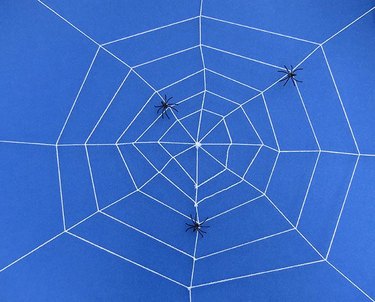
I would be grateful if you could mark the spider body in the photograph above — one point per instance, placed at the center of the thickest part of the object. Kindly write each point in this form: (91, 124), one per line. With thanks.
(165, 105)
(290, 74)
(196, 226)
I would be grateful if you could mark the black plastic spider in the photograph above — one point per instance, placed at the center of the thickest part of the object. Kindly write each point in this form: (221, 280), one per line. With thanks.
(196, 226)
(290, 74)
(165, 105)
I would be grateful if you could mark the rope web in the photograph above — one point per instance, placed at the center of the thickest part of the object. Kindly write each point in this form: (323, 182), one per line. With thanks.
(197, 146)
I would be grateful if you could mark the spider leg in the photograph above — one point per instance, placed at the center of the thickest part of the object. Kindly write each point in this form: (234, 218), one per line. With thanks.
(174, 109)
(287, 79)
(166, 113)
(204, 220)
(169, 99)
(189, 228)
(200, 233)
(298, 81)
(205, 226)
(283, 79)
(293, 81)
(298, 69)
(283, 71)
(159, 109)
(192, 219)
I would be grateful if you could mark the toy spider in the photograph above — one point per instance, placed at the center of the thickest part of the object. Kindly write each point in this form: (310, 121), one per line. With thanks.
(196, 226)
(165, 105)
(290, 74)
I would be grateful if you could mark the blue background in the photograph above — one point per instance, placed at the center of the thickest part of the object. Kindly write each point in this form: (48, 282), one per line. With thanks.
(96, 188)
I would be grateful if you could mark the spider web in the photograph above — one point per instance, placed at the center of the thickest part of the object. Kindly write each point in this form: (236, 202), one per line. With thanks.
(203, 155)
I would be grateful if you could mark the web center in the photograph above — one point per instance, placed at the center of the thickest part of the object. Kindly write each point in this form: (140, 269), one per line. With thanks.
(198, 144)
